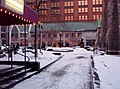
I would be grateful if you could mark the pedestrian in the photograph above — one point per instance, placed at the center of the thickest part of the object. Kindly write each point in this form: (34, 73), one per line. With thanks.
(82, 43)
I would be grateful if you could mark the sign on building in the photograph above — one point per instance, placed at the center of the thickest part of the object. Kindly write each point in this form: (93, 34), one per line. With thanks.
(16, 6)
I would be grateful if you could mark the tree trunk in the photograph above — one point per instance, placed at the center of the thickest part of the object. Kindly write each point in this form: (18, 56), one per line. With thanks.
(113, 34)
(104, 29)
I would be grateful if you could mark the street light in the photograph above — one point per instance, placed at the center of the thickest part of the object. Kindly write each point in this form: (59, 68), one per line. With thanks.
(40, 26)
(60, 34)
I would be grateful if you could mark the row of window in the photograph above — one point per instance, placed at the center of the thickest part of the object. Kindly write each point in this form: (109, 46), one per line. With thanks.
(57, 4)
(97, 9)
(65, 35)
(44, 12)
(97, 16)
(43, 5)
(83, 17)
(80, 2)
(97, 2)
(71, 10)
(83, 2)
(56, 11)
(82, 10)
(71, 18)
(68, 3)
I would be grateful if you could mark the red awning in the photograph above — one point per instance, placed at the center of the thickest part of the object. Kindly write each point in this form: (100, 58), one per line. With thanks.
(8, 17)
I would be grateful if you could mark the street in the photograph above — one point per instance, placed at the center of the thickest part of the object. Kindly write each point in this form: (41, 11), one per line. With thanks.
(72, 71)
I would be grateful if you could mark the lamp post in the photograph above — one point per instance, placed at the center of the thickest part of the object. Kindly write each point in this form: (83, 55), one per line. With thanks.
(60, 34)
(40, 26)
(37, 4)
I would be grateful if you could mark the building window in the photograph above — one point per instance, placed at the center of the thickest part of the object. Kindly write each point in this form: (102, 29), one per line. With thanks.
(79, 34)
(82, 2)
(69, 10)
(97, 16)
(97, 2)
(55, 4)
(68, 18)
(83, 17)
(43, 12)
(67, 35)
(97, 9)
(69, 3)
(43, 5)
(90, 42)
(73, 34)
(82, 10)
(43, 19)
(54, 18)
(56, 11)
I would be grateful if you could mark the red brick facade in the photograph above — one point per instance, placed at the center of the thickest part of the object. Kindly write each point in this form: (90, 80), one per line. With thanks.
(69, 10)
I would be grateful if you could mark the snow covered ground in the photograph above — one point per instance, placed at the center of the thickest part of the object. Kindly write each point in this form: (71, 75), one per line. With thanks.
(73, 66)
(108, 69)
(72, 71)
(44, 58)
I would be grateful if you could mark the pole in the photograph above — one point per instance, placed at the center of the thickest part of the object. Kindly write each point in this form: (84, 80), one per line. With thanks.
(60, 34)
(41, 28)
(36, 47)
(36, 43)
(8, 43)
(40, 40)
(0, 38)
(25, 45)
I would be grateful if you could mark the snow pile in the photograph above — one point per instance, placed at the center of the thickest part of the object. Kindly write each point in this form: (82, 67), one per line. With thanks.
(61, 49)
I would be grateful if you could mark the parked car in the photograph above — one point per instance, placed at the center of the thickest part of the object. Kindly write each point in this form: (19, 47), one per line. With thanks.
(89, 48)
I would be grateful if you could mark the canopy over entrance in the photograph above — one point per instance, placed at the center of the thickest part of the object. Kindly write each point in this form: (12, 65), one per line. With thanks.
(8, 17)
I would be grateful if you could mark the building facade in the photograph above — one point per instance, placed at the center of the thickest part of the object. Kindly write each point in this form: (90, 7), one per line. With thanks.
(75, 19)
(68, 10)
(65, 12)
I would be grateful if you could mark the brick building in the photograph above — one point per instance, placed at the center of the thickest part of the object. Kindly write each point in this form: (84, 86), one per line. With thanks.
(69, 17)
(68, 10)
(75, 19)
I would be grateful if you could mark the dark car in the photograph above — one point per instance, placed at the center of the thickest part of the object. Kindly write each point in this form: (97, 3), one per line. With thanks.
(89, 48)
